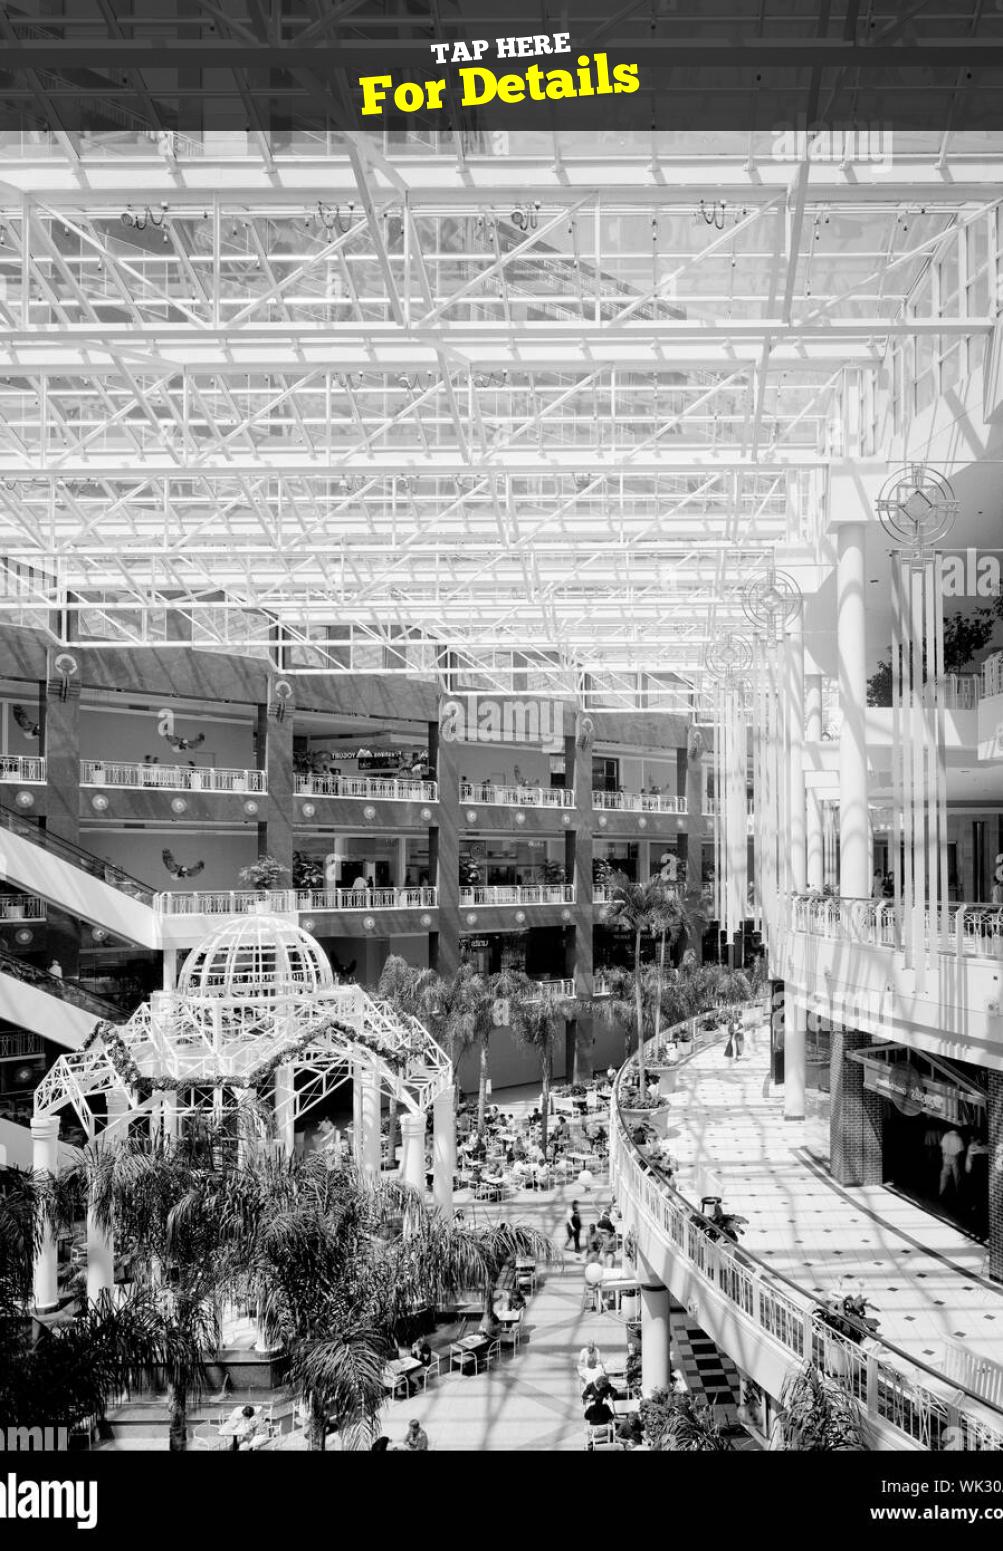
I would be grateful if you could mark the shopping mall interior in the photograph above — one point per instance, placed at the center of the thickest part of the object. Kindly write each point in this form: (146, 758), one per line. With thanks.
(493, 623)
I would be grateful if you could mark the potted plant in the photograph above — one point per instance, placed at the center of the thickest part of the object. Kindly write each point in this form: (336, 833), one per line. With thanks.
(263, 875)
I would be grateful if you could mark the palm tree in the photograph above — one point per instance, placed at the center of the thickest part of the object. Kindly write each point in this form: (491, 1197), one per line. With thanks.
(158, 1197)
(407, 989)
(21, 1222)
(537, 1019)
(669, 918)
(342, 1266)
(637, 907)
(818, 1415)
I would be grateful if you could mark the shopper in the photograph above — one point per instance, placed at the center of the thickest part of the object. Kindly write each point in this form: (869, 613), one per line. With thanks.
(574, 1229)
(416, 1438)
(952, 1146)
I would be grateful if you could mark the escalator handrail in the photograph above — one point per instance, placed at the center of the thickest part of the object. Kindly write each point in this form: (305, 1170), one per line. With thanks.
(77, 856)
(70, 991)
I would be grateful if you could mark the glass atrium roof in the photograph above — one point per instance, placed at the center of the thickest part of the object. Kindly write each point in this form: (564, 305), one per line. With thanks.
(532, 408)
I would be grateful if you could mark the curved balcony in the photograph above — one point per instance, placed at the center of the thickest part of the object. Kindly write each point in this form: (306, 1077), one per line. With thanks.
(519, 894)
(770, 1324)
(27, 769)
(486, 792)
(556, 990)
(967, 930)
(377, 788)
(637, 802)
(170, 778)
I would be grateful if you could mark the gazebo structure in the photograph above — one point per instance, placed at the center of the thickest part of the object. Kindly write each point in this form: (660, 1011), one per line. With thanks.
(256, 1010)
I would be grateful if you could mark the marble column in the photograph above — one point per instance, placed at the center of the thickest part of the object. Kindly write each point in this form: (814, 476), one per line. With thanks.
(444, 852)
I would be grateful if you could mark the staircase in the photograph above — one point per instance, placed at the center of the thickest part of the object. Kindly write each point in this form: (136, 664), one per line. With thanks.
(77, 881)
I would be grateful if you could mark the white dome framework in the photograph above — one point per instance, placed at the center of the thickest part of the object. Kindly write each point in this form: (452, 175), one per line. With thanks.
(257, 1010)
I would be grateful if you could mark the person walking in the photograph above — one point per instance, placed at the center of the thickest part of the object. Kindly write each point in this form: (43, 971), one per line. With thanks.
(952, 1146)
(574, 1229)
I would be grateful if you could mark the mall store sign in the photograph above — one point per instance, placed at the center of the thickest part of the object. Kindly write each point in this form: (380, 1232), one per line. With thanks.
(502, 719)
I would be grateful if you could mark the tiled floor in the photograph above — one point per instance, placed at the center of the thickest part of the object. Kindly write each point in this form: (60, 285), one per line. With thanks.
(923, 1276)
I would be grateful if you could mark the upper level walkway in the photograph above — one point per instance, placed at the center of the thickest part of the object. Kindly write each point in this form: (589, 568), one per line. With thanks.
(923, 1276)
(936, 1364)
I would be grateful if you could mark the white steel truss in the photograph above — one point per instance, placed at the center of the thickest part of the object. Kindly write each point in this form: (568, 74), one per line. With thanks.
(515, 414)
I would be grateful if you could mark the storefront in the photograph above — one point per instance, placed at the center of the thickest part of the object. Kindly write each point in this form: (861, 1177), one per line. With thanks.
(934, 1131)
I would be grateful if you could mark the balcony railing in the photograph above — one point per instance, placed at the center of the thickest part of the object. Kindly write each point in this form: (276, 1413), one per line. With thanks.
(556, 990)
(601, 986)
(423, 898)
(638, 802)
(600, 894)
(25, 768)
(14, 1047)
(519, 894)
(973, 930)
(517, 796)
(955, 691)
(380, 788)
(226, 902)
(172, 778)
(21, 907)
(766, 1307)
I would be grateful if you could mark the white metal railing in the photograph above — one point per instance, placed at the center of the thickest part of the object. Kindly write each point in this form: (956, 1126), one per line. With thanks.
(888, 1384)
(601, 895)
(380, 788)
(17, 1046)
(638, 802)
(974, 930)
(517, 796)
(418, 898)
(601, 986)
(21, 907)
(174, 778)
(992, 675)
(519, 894)
(22, 767)
(289, 901)
(556, 990)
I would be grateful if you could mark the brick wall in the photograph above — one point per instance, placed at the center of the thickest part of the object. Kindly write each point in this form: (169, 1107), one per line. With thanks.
(855, 1120)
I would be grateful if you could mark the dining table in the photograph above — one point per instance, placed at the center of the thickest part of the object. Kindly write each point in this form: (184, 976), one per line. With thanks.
(399, 1370)
(625, 1407)
(472, 1347)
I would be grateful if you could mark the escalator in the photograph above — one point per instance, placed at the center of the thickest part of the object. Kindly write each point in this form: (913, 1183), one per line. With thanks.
(58, 1009)
(77, 881)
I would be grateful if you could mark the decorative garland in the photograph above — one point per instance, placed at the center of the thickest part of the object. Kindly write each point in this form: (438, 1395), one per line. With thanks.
(128, 1071)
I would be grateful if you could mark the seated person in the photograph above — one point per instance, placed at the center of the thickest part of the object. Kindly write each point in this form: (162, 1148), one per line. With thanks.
(598, 1413)
(244, 1422)
(590, 1364)
(630, 1431)
(422, 1352)
(416, 1438)
(490, 1325)
(599, 1388)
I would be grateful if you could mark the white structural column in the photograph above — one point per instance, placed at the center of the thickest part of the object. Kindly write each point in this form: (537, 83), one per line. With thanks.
(170, 969)
(45, 1160)
(413, 1151)
(795, 1059)
(100, 1257)
(285, 1117)
(814, 853)
(795, 755)
(851, 644)
(369, 1155)
(444, 1148)
(656, 1335)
